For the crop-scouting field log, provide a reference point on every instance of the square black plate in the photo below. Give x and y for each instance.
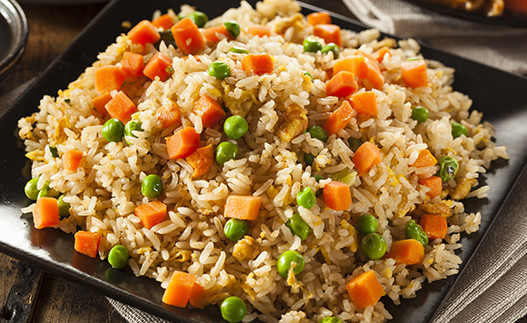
(501, 96)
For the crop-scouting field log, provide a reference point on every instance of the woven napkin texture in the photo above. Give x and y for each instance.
(502, 47)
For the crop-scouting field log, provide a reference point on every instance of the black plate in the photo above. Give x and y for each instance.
(501, 96)
(506, 19)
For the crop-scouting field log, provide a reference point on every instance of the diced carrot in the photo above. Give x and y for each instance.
(46, 213)
(339, 119)
(341, 85)
(197, 296)
(87, 243)
(354, 64)
(169, 114)
(425, 159)
(258, 63)
(121, 107)
(434, 225)
(329, 32)
(151, 213)
(317, 18)
(259, 30)
(414, 73)
(365, 103)
(144, 32)
(99, 103)
(209, 110)
(108, 78)
(374, 74)
(366, 156)
(337, 195)
(132, 64)
(72, 159)
(408, 251)
(179, 289)
(216, 33)
(434, 183)
(365, 290)
(244, 207)
(187, 36)
(165, 21)
(381, 53)
(159, 65)
(201, 160)
(183, 143)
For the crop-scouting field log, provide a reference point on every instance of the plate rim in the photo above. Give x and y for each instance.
(138, 301)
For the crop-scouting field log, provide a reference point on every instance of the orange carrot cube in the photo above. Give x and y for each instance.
(365, 290)
(46, 213)
(151, 213)
(337, 196)
(144, 32)
(244, 207)
(121, 107)
(159, 65)
(183, 143)
(87, 243)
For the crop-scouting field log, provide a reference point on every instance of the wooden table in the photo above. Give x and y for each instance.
(27, 293)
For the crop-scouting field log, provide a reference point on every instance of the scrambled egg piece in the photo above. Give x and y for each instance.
(245, 248)
(292, 123)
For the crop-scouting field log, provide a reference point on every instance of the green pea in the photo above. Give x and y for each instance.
(235, 229)
(118, 256)
(226, 151)
(44, 191)
(152, 186)
(233, 28)
(318, 132)
(238, 50)
(367, 223)
(331, 47)
(306, 198)
(54, 152)
(113, 130)
(415, 231)
(64, 207)
(167, 37)
(458, 129)
(219, 70)
(298, 226)
(284, 263)
(31, 189)
(420, 114)
(233, 309)
(199, 18)
(373, 246)
(309, 159)
(311, 45)
(448, 168)
(318, 178)
(235, 127)
(354, 143)
(310, 76)
(132, 125)
(330, 319)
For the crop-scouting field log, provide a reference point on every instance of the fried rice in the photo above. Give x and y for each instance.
(106, 189)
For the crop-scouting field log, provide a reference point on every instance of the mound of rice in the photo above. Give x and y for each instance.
(106, 188)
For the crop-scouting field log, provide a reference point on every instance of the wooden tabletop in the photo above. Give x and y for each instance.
(28, 294)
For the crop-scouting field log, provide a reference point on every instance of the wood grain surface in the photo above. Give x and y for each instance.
(28, 294)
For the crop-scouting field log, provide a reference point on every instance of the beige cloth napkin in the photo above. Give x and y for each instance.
(493, 286)
(502, 47)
